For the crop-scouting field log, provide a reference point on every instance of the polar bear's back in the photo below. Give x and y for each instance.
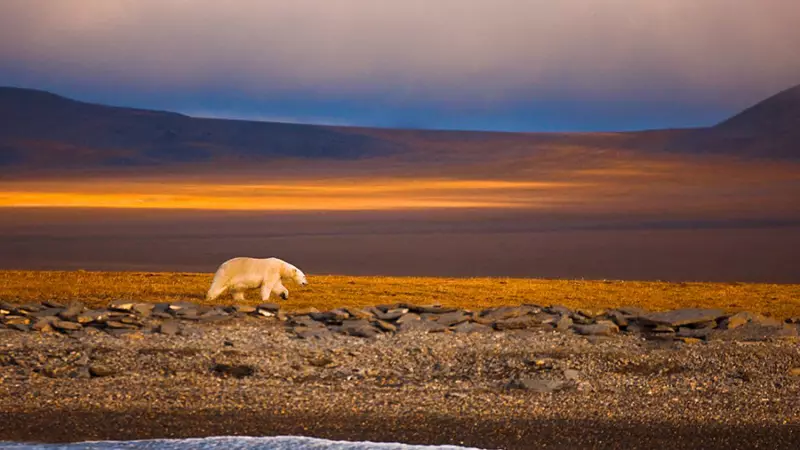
(247, 272)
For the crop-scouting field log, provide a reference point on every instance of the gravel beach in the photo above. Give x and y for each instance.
(525, 384)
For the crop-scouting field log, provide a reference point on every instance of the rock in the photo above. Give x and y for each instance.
(536, 385)
(53, 304)
(17, 320)
(359, 328)
(690, 340)
(30, 308)
(143, 309)
(505, 312)
(121, 305)
(305, 321)
(564, 323)
(558, 309)
(662, 329)
(385, 326)
(470, 327)
(452, 318)
(121, 325)
(329, 316)
(591, 313)
(794, 371)
(169, 328)
(97, 316)
(161, 308)
(680, 317)
(63, 325)
(97, 370)
(620, 319)
(318, 333)
(602, 328)
(694, 333)
(269, 307)
(392, 314)
(406, 318)
(245, 309)
(236, 370)
(213, 316)
(752, 331)
(572, 375)
(6, 308)
(72, 312)
(47, 312)
(19, 326)
(305, 311)
(426, 326)
(358, 313)
(44, 324)
(431, 309)
(178, 306)
(518, 323)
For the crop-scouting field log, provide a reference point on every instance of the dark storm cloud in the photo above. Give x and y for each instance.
(504, 63)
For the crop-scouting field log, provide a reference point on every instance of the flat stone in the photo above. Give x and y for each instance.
(794, 371)
(359, 328)
(305, 321)
(17, 320)
(318, 333)
(632, 311)
(144, 309)
(47, 312)
(169, 327)
(53, 304)
(121, 305)
(177, 306)
(271, 307)
(392, 314)
(505, 312)
(97, 370)
(680, 317)
(752, 331)
(118, 324)
(214, 316)
(431, 309)
(518, 323)
(385, 326)
(620, 319)
(245, 309)
(564, 323)
(452, 318)
(359, 313)
(694, 333)
(235, 370)
(66, 326)
(161, 308)
(662, 329)
(30, 307)
(305, 311)
(120, 332)
(471, 327)
(19, 326)
(602, 328)
(536, 385)
(558, 309)
(427, 326)
(97, 316)
(329, 316)
(408, 317)
(72, 312)
(572, 375)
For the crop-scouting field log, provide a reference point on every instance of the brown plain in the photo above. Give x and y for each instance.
(97, 289)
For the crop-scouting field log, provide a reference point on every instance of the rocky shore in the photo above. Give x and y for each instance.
(528, 376)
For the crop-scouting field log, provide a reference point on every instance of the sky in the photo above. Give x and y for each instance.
(510, 65)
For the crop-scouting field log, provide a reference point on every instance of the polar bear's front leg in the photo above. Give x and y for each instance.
(276, 288)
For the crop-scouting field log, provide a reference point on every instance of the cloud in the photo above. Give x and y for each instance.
(460, 53)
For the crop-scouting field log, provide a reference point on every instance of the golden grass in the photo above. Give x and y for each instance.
(331, 291)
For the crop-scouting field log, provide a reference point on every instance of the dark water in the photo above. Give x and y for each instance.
(465, 243)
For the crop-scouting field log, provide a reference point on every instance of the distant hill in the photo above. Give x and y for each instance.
(771, 128)
(43, 130)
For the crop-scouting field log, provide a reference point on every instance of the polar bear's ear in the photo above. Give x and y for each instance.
(294, 270)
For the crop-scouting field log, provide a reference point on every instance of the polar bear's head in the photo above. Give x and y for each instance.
(296, 275)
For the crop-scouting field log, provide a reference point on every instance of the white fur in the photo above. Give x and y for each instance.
(242, 273)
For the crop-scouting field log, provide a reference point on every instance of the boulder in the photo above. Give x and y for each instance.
(681, 317)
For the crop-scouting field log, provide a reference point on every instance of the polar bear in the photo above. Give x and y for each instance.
(242, 273)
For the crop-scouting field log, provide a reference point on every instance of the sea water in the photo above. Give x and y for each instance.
(228, 443)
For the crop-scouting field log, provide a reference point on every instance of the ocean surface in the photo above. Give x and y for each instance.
(228, 443)
(450, 244)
